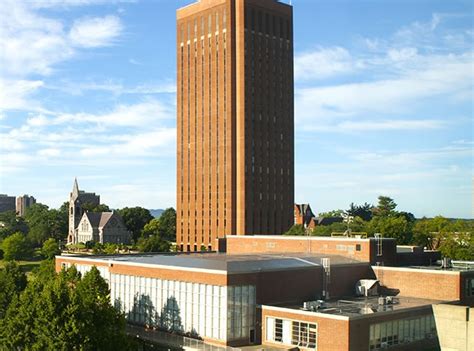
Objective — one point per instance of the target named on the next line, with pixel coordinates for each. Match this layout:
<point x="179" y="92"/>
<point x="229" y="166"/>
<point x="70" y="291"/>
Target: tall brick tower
<point x="235" y="103"/>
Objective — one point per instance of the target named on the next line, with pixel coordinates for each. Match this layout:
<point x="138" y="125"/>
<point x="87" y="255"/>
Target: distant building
<point x="22" y="203"/>
<point x="102" y="227"/>
<point x="7" y="203"/>
<point x="77" y="199"/>
<point x="328" y="220"/>
<point x="304" y="216"/>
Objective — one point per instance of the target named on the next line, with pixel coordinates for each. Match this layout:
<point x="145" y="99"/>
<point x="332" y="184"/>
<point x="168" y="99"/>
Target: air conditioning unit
<point x="384" y="345"/>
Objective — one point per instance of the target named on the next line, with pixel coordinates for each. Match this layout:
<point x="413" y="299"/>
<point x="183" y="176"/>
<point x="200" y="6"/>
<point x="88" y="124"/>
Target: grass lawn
<point x="26" y="266"/>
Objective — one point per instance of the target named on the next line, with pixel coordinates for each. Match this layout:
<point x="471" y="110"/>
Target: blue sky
<point x="383" y="102"/>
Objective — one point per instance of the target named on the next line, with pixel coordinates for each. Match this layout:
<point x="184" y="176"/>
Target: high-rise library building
<point x="235" y="145"/>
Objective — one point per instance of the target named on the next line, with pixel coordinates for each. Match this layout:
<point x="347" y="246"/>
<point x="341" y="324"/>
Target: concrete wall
<point x="455" y="326"/>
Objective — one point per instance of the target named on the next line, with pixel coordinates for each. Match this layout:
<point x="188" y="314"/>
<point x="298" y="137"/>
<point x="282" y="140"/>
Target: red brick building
<point x="304" y="216"/>
<point x="235" y="144"/>
<point x="285" y="292"/>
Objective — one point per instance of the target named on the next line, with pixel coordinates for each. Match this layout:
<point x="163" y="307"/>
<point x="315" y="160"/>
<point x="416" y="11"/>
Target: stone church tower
<point x="77" y="198"/>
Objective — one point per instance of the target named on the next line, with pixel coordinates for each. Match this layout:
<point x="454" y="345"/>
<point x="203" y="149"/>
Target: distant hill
<point x="156" y="213"/>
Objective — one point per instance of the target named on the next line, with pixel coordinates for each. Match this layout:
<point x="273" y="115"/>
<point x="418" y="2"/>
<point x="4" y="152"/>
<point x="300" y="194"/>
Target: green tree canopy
<point x="397" y="228"/>
<point x="363" y="211"/>
<point x="385" y="207"/>
<point x="135" y="219"/>
<point x="16" y="247"/>
<point x="11" y="223"/>
<point x="88" y="206"/>
<point x="164" y="226"/>
<point x="12" y="282"/>
<point x="296" y="229"/>
<point x="50" y="248"/>
<point x="333" y="213"/>
<point x="153" y="243"/>
<point x="64" y="312"/>
<point x="45" y="223"/>
<point x="168" y="224"/>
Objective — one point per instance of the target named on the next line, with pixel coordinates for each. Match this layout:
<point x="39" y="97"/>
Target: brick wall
<point x="333" y="333"/>
<point x="422" y="283"/>
<point x="358" y="249"/>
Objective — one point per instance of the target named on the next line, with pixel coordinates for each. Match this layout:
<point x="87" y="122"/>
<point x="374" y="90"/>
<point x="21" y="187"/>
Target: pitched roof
<point x="99" y="219"/>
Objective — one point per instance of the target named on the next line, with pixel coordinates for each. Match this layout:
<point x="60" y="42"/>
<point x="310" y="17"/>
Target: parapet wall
<point x="364" y="250"/>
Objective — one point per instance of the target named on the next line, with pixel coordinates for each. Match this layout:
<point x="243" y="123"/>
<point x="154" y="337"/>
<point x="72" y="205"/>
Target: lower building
<point x="102" y="227"/>
<point x="22" y="203"/>
<point x="7" y="203"/>
<point x="308" y="300"/>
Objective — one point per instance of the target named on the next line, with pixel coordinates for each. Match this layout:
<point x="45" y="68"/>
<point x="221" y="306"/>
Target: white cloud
<point x="431" y="77"/>
<point x="138" y="115"/>
<point x="136" y="145"/>
<point x="29" y="42"/>
<point x="49" y="152"/>
<point x="389" y="125"/>
<point x="402" y="54"/>
<point x="15" y="94"/>
<point x="322" y="63"/>
<point x="32" y="43"/>
<point x="115" y="87"/>
<point x="91" y="32"/>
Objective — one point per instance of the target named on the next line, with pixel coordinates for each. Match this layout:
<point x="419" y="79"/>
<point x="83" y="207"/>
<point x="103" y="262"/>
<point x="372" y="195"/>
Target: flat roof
<point x="351" y="307"/>
<point x="223" y="262"/>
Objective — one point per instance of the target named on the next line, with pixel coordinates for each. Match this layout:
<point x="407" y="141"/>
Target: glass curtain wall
<point x="403" y="331"/>
<point x="200" y="310"/>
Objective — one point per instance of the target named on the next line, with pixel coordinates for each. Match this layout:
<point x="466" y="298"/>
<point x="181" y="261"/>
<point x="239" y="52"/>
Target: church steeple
<point x="75" y="188"/>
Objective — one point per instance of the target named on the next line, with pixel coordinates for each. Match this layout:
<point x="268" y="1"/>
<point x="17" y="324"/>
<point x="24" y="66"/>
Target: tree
<point x="296" y="229"/>
<point x="385" y="207"/>
<point x="164" y="226"/>
<point x="12" y="282"/>
<point x="153" y="243"/>
<point x="106" y="325"/>
<point x="152" y="228"/>
<point x="458" y="246"/>
<point x="392" y="227"/>
<point x="91" y="207"/>
<point x="135" y="219"/>
<point x="11" y="223"/>
<point x="64" y="312"/>
<point x="37" y="218"/>
<point x="333" y="213"/>
<point x="363" y="211"/>
<point x="168" y="224"/>
<point x="45" y="223"/>
<point x="326" y="230"/>
<point x="50" y="248"/>
<point x="16" y="247"/>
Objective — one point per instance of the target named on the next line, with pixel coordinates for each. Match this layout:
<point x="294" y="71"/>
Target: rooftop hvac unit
<point x="313" y="305"/>
<point x="367" y="287"/>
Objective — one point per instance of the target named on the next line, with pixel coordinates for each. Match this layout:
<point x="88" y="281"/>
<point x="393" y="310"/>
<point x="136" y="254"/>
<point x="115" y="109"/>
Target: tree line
<point x="44" y="230"/>
<point x="454" y="238"/>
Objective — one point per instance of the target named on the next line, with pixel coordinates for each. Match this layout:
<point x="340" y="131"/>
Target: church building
<point x="103" y="227"/>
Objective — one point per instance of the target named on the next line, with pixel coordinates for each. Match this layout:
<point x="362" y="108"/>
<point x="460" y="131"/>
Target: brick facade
<point x="234" y="120"/>
<point x="364" y="250"/>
